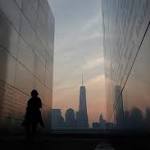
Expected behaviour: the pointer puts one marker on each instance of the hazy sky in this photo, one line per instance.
(78, 48)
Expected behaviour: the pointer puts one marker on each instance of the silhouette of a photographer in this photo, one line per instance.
(33, 115)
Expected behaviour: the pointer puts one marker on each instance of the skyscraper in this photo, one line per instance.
(57, 120)
(70, 118)
(82, 116)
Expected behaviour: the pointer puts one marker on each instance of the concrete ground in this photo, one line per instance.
(71, 142)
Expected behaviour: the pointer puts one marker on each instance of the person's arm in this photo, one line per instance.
(40, 103)
(27, 105)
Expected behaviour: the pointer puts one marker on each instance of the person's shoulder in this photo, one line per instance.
(30, 99)
(39, 98)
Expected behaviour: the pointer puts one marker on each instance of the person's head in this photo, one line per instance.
(34, 93)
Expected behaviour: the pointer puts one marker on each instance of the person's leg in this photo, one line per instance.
(34, 128)
(28, 131)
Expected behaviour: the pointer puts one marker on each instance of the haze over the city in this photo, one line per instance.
(78, 49)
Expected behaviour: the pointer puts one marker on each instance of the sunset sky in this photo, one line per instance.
(78, 49)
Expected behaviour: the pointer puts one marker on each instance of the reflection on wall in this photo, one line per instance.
(126, 27)
(118, 106)
(26, 57)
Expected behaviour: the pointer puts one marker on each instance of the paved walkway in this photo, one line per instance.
(71, 143)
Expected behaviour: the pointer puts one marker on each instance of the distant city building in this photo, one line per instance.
(95, 125)
(77, 118)
(70, 119)
(82, 116)
(57, 121)
(101, 124)
(118, 107)
(110, 126)
(127, 123)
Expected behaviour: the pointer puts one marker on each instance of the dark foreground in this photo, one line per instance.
(76, 142)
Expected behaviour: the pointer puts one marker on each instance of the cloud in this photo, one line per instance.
(94, 63)
(96, 79)
(91, 23)
(83, 32)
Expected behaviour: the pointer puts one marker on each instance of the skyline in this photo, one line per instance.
(78, 48)
(71, 121)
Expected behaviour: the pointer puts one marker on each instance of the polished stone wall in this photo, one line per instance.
(127, 57)
(26, 57)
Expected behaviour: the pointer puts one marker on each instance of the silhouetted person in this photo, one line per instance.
(33, 115)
